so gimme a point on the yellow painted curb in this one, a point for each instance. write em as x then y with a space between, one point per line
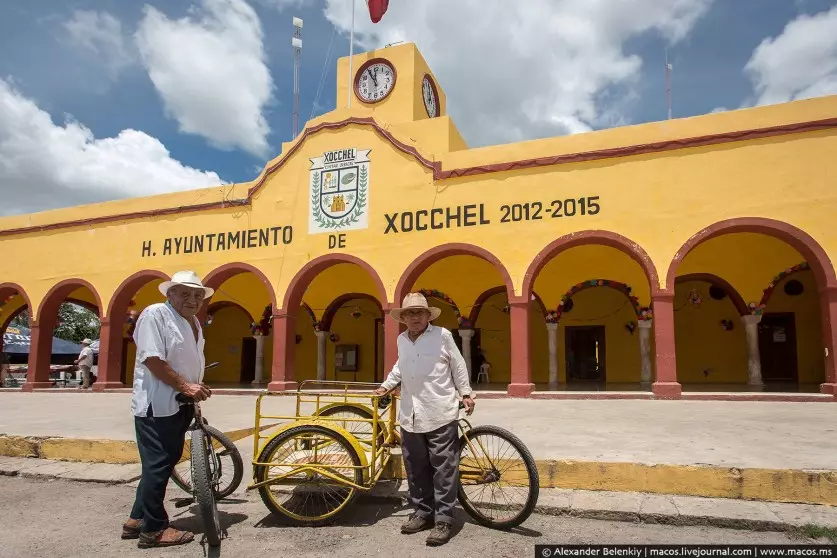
776 485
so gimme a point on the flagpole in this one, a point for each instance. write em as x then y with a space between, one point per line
351 51
668 86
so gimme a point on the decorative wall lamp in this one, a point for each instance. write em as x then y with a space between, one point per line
630 326
728 325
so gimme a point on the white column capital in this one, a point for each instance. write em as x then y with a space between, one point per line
321 333
753 319
466 333
645 324
552 326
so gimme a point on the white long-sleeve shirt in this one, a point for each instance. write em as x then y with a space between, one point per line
163 333
431 370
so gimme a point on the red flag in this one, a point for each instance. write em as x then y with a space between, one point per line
377 9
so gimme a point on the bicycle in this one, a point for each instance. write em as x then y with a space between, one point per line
206 470
311 469
229 459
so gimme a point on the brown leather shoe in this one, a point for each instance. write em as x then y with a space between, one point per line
440 534
167 537
131 529
415 523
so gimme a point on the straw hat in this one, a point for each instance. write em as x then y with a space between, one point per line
415 301
188 279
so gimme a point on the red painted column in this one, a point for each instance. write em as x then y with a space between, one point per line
828 314
665 385
110 357
40 353
284 344
521 373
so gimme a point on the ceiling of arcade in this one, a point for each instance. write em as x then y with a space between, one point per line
585 263
747 261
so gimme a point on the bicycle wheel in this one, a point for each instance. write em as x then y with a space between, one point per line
230 465
360 430
305 496
203 475
498 478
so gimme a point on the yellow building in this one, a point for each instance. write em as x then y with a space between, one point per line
685 254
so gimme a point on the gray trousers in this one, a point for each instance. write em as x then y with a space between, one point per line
432 463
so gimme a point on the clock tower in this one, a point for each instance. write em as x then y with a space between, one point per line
394 82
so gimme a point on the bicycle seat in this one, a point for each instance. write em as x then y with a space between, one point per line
183 398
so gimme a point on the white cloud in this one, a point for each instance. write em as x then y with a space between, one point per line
102 34
210 70
281 5
45 166
798 64
529 69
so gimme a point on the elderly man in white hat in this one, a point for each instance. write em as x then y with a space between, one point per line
170 360
85 363
431 371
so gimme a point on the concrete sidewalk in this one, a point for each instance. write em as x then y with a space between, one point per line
730 434
768 451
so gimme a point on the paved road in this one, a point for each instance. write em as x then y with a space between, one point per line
61 518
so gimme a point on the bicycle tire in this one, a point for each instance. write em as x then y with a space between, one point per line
229 446
260 473
531 468
204 493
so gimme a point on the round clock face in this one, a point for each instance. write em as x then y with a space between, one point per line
430 96
374 81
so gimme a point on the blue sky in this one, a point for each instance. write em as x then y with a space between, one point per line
204 87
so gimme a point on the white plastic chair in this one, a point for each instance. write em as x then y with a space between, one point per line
484 370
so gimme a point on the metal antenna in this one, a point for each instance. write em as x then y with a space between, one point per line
297 44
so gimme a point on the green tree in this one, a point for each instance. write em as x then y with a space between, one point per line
74 323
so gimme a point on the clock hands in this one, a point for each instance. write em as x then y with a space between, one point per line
369 71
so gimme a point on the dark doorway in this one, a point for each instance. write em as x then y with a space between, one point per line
777 347
248 360
585 353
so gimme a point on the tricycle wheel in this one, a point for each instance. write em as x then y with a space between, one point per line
305 495
498 478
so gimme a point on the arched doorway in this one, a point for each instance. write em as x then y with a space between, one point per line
38 375
750 253
454 277
244 304
598 288
314 297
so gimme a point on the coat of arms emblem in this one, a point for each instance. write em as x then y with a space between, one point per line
339 184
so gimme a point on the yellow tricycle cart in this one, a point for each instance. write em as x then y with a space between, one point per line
309 466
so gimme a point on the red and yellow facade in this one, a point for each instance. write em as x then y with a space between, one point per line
689 254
